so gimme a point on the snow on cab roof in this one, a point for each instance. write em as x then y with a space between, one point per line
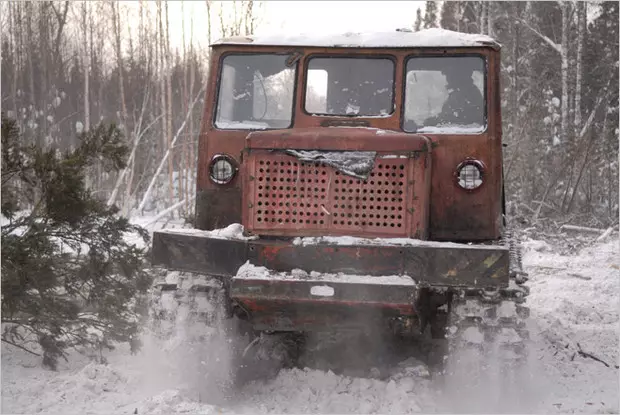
401 38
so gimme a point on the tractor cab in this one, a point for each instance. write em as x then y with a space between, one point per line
365 171
423 103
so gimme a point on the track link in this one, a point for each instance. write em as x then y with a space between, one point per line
194 310
186 304
489 322
488 329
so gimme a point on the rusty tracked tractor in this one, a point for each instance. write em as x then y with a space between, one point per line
366 172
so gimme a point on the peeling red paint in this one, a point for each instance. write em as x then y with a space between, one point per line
270 252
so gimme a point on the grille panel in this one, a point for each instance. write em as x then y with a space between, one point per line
285 196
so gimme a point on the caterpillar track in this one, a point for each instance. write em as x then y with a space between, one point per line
485 320
487 329
193 309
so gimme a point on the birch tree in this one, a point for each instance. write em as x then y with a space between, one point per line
581 29
430 14
183 174
116 23
565 6
418 20
169 107
484 7
86 66
147 193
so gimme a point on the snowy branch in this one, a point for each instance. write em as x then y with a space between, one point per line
555 46
121 176
591 356
147 194
170 209
20 347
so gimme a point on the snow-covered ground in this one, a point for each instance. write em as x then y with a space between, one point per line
574 307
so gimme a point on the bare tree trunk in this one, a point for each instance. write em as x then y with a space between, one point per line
91 63
169 109
29 51
162 79
483 16
208 4
86 68
44 32
137 131
61 18
223 27
119 60
514 93
154 64
30 48
183 173
192 79
20 46
236 22
101 29
489 18
565 7
141 33
249 17
13 33
44 56
587 152
581 28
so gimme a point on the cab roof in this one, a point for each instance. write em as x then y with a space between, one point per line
400 38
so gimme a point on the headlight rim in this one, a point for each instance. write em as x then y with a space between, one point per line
470 161
230 160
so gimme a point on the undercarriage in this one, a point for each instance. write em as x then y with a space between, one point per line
272 318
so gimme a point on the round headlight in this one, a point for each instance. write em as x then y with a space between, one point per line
469 174
222 169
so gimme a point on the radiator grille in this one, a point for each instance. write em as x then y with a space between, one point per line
285 196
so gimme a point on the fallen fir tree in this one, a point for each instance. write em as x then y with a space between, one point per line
69 276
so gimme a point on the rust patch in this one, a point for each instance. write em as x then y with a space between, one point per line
270 252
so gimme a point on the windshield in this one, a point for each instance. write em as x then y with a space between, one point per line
445 95
350 86
255 92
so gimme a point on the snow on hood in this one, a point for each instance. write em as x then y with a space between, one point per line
433 37
353 240
233 231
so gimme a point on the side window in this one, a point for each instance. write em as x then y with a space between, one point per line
255 92
445 95
226 104
316 92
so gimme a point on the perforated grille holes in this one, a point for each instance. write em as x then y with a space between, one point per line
293 195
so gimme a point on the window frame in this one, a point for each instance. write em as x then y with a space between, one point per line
218 82
341 55
485 90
